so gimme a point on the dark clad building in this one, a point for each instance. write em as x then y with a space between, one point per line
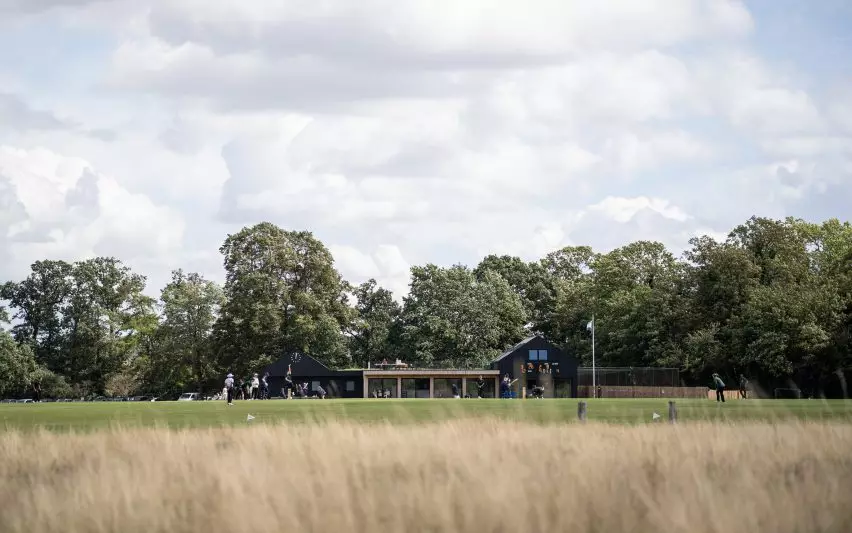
304 368
533 361
537 361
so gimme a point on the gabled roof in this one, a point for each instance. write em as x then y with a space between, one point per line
514 348
304 365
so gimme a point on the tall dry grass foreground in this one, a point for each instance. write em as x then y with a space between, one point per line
476 476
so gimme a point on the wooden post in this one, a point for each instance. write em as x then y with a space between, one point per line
431 388
399 387
524 392
581 411
464 387
366 387
497 386
672 412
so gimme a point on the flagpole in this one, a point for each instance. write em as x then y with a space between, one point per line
594 387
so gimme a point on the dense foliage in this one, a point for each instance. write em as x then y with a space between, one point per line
773 301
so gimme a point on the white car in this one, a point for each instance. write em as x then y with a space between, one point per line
189 397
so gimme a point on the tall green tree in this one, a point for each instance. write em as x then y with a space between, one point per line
104 319
452 318
17 366
374 329
190 307
283 295
39 302
21 373
638 303
533 284
571 263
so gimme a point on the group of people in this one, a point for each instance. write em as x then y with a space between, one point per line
253 388
300 390
719 385
257 388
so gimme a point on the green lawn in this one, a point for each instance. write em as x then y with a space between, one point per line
98 415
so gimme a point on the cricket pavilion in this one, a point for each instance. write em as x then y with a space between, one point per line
532 362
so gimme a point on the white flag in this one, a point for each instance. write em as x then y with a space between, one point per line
249 417
591 325
655 416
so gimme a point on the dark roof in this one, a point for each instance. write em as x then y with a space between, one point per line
306 365
515 348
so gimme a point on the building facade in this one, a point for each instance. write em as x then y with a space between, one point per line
537 361
533 361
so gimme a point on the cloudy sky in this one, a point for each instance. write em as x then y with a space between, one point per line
409 131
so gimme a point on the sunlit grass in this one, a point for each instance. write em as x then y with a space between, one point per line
104 415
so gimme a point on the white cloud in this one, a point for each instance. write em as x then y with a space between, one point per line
406 132
625 209
385 264
65 210
470 28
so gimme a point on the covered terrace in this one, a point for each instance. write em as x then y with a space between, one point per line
427 383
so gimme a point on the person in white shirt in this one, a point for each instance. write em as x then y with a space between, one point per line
229 387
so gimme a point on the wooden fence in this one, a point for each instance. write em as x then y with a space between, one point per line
584 391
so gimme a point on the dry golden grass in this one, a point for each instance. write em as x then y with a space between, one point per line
476 476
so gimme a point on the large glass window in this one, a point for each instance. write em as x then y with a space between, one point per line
538 355
382 388
444 387
415 388
350 386
562 388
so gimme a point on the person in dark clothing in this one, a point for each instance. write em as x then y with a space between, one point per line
743 387
480 387
264 386
720 388
538 392
504 387
36 391
288 385
455 390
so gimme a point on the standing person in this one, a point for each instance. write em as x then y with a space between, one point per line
743 387
36 391
264 386
480 387
229 387
720 388
255 386
288 384
504 387
455 390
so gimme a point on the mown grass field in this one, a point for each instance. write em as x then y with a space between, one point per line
104 415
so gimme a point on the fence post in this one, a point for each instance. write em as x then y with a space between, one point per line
672 412
523 393
581 411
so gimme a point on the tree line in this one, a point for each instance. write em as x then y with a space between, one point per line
773 301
